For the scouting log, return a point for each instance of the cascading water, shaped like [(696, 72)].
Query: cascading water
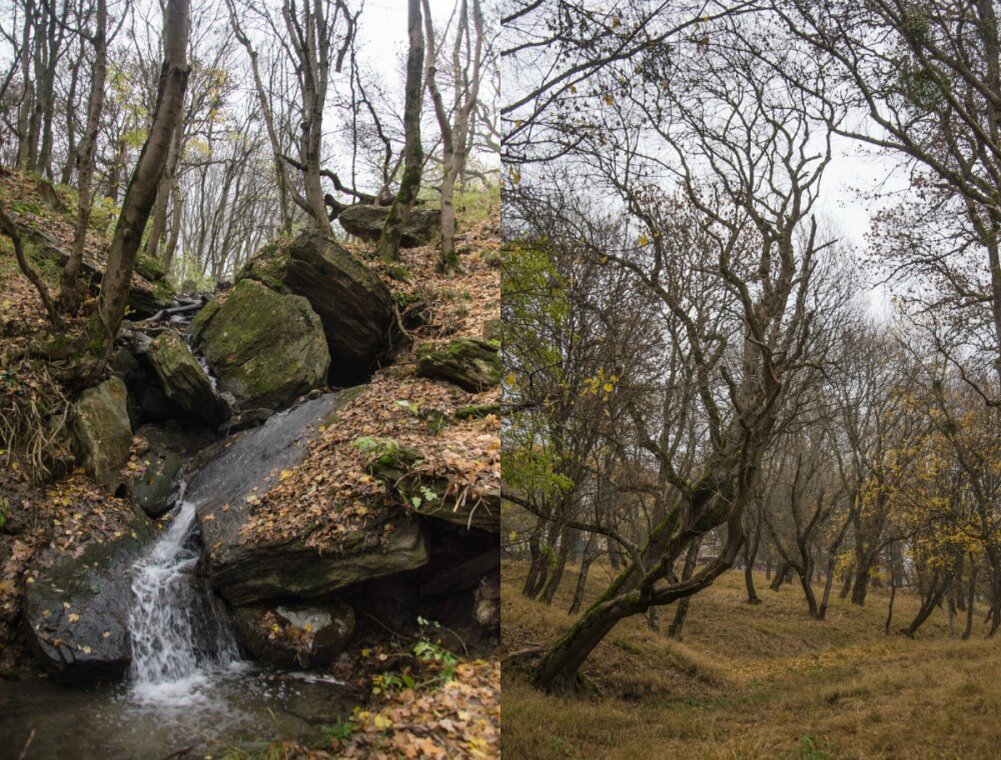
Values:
[(180, 636)]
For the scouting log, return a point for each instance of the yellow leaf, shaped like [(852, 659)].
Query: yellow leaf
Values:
[(382, 722), (73, 617), (642, 240), (284, 474)]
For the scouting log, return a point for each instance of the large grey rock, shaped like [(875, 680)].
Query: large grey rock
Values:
[(354, 306), (473, 364), (102, 432), (248, 569), (183, 379), (264, 347), (295, 636), (76, 602), (366, 222)]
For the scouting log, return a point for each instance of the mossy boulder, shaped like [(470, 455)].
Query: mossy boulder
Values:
[(471, 363), (146, 298), (366, 222), (150, 268), (76, 603), (102, 432), (264, 347), (354, 306), (184, 381)]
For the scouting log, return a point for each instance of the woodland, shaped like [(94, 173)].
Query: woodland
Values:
[(249, 379), (752, 313)]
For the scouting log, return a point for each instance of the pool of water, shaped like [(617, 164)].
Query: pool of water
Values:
[(210, 712)]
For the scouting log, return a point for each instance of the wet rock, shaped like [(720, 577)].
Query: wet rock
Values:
[(102, 432), (250, 418), (184, 381), (264, 347), (295, 637), (247, 569), (471, 363), (152, 488), (76, 603), (162, 451), (366, 222), (354, 306)]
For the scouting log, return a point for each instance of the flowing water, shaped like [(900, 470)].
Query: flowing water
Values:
[(180, 636), (188, 687)]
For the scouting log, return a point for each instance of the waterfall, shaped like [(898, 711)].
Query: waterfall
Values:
[(180, 634)]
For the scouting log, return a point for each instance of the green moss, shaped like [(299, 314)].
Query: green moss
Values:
[(149, 267), (267, 266)]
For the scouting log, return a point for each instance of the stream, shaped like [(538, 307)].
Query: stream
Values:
[(188, 686)]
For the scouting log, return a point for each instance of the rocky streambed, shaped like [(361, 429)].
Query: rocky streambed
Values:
[(176, 625)]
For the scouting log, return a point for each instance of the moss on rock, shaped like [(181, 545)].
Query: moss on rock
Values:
[(264, 347)]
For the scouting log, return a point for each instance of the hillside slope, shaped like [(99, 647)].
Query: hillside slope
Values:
[(761, 681)]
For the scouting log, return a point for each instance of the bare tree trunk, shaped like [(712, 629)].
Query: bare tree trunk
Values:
[(750, 554), (567, 537), (175, 227), (971, 590), (141, 192), (590, 554), (159, 221), (681, 612), (410, 183), (889, 608), (27, 105), (455, 134), (69, 293)]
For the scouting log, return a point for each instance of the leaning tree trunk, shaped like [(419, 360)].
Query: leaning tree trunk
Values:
[(141, 192), (413, 164), (69, 293)]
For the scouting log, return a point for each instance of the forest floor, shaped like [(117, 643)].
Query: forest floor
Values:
[(455, 710), (763, 681)]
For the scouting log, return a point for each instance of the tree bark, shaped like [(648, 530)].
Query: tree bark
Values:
[(413, 165), (141, 192), (69, 294)]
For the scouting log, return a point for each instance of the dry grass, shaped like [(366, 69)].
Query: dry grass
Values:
[(758, 682)]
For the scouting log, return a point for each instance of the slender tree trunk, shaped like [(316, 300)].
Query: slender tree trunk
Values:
[(410, 183), (780, 576), (590, 554), (971, 590), (681, 612), (889, 607), (69, 293), (141, 192), (159, 216), (750, 554), (175, 227), (567, 538)]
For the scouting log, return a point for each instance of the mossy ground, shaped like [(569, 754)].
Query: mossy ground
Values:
[(762, 681)]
